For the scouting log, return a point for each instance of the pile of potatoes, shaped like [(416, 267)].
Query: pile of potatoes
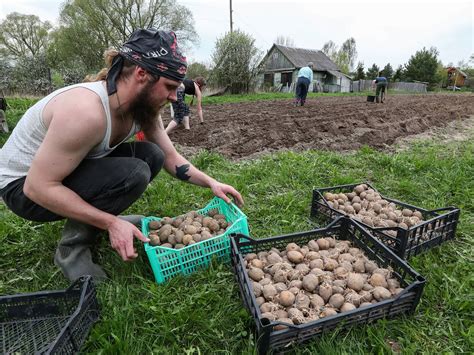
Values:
[(187, 229), (367, 206), (322, 278)]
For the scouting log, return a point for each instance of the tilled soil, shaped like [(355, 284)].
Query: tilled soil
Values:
[(330, 123)]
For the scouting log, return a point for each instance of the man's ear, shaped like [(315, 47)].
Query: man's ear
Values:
[(141, 74)]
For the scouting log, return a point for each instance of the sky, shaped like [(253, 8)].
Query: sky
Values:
[(385, 31)]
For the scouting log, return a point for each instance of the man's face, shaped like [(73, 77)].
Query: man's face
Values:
[(165, 90), (152, 97)]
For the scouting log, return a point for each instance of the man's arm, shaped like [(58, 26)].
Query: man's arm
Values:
[(176, 165), (74, 129)]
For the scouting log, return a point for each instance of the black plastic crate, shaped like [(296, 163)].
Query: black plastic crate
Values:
[(344, 229), (48, 322), (438, 225)]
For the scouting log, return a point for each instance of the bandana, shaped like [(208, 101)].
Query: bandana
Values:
[(155, 51)]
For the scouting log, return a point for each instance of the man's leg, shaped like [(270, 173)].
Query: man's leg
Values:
[(298, 92), (377, 93), (304, 92), (110, 184), (171, 126)]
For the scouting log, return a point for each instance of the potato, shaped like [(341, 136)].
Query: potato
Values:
[(378, 280), (154, 225), (164, 232), (286, 298), (325, 291), (407, 212), (257, 263), (257, 289), (269, 292), (381, 293), (355, 281), (197, 237), (187, 238), (310, 282), (336, 300), (329, 196), (154, 239), (347, 307), (295, 256), (256, 274), (292, 246), (360, 188), (328, 312), (323, 244), (166, 245)]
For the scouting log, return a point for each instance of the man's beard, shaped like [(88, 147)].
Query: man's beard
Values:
[(142, 109)]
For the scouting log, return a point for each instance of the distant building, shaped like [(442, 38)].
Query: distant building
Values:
[(281, 64), (456, 77)]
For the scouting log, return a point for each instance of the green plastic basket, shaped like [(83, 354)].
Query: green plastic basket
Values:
[(167, 262)]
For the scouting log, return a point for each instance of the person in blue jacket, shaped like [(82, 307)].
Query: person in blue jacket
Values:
[(305, 77)]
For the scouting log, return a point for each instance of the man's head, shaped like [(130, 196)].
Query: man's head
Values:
[(310, 64), (201, 82), (155, 51)]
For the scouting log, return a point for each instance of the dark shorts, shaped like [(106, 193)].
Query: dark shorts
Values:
[(111, 183), (180, 108)]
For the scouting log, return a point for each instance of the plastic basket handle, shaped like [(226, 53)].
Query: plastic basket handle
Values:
[(449, 209)]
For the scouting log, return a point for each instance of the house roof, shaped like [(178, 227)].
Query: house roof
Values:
[(450, 69), (301, 56)]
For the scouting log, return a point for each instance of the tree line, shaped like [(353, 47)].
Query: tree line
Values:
[(37, 57)]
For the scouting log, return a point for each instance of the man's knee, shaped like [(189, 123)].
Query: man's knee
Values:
[(156, 160)]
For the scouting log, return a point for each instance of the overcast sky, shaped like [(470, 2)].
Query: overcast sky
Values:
[(385, 31)]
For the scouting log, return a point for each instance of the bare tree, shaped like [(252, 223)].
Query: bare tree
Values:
[(285, 41)]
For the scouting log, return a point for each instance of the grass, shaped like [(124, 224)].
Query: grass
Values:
[(203, 313)]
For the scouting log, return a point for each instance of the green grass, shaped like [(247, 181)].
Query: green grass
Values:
[(204, 314)]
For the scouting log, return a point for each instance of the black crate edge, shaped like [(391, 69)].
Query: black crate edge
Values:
[(439, 227), (66, 315), (404, 303)]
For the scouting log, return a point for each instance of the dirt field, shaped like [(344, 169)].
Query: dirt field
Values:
[(332, 123)]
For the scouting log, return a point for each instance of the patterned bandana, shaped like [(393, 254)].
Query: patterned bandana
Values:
[(155, 51)]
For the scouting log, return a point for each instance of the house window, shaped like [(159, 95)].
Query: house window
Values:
[(268, 79), (286, 78)]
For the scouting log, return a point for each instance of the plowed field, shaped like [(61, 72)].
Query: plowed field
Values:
[(331, 123)]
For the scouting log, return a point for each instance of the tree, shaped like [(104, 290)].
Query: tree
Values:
[(330, 49), (360, 71), (285, 41), (373, 72), (344, 57), (235, 61), (350, 52), (399, 74), (23, 35), (89, 27), (387, 71), (423, 65), (197, 69)]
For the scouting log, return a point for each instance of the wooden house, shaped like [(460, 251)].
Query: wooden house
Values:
[(281, 64), (456, 77)]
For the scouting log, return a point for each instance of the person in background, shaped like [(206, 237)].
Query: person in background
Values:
[(305, 78), (69, 155), (381, 84), (180, 110)]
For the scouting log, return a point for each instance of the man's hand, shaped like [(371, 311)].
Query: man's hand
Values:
[(221, 190), (121, 235)]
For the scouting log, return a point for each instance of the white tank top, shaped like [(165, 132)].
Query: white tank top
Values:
[(19, 150)]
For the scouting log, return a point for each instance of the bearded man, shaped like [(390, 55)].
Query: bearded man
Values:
[(68, 157)]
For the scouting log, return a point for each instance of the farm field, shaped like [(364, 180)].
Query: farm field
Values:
[(203, 313), (245, 129)]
